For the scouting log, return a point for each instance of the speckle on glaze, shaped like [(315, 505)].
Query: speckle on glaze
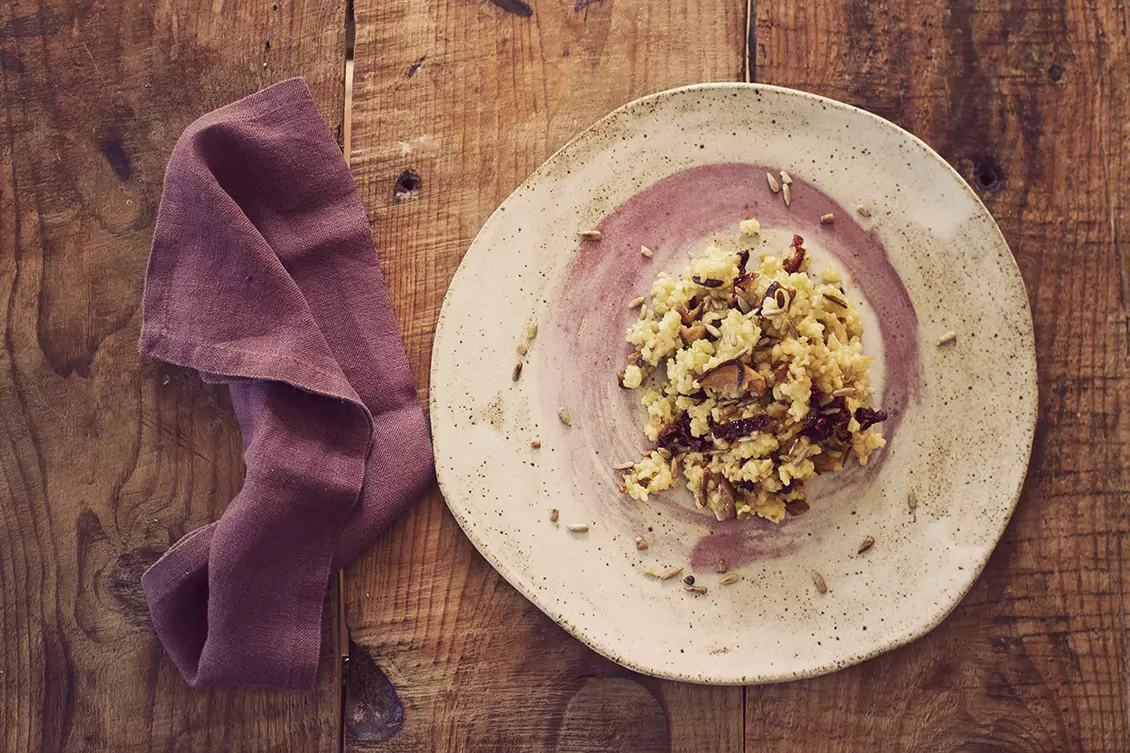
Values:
[(668, 172)]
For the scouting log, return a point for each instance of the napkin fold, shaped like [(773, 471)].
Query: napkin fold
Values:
[(263, 276)]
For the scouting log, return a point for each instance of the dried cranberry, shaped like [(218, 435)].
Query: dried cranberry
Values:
[(794, 262), (741, 427), (867, 417), (743, 258)]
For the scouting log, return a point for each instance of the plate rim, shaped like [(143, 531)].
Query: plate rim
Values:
[(1030, 417)]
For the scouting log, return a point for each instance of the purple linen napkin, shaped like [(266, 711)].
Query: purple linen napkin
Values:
[(263, 276)]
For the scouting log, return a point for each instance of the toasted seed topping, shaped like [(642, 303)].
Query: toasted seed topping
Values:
[(868, 542), (554, 514), (636, 302), (787, 193), (947, 338), (774, 186), (827, 219), (641, 543), (535, 445), (517, 371), (577, 528), (786, 179), (864, 210), (843, 392), (645, 251), (727, 580), (592, 235), (818, 579), (720, 566), (564, 416), (623, 466), (835, 299), (695, 589)]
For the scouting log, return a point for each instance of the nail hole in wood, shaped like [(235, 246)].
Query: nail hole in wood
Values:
[(407, 187), (987, 173)]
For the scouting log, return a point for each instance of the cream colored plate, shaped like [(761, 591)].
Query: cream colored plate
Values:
[(671, 171)]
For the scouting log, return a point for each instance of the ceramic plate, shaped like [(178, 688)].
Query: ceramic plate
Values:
[(672, 171)]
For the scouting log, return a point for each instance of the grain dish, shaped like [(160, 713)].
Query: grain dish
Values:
[(753, 378)]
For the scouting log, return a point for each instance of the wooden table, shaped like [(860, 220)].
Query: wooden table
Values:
[(106, 459)]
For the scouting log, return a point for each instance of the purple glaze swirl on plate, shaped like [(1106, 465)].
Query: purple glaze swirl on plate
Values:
[(584, 335)]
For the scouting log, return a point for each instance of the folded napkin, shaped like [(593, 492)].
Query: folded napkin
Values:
[(263, 276)]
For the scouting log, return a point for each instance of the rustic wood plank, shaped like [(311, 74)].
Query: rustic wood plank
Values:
[(460, 102), (1028, 102), (106, 460)]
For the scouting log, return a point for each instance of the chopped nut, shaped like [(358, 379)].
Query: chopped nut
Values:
[(517, 371), (689, 580), (720, 566), (797, 506), (623, 466), (947, 338), (577, 528), (531, 331), (535, 445), (636, 302), (695, 589), (774, 186), (787, 193), (821, 585), (727, 580), (868, 542), (827, 219), (864, 210), (592, 235), (641, 543), (645, 251), (564, 416), (786, 179), (554, 514)]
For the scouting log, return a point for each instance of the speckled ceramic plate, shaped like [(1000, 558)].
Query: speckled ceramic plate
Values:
[(672, 171)]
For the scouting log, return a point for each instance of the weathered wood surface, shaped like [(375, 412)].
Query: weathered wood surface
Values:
[(1029, 102), (105, 459), (471, 97)]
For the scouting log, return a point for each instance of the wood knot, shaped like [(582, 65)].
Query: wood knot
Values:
[(373, 712), (614, 708)]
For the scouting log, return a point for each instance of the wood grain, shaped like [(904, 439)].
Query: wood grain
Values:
[(106, 460), (1029, 102), (456, 104)]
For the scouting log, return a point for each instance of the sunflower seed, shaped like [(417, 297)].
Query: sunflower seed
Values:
[(641, 543), (695, 589), (623, 466), (731, 578), (554, 514), (868, 542), (517, 371), (635, 302), (787, 193), (786, 179), (836, 300), (864, 210), (669, 574), (577, 528), (844, 392), (912, 500), (774, 186), (592, 235), (564, 416), (645, 251), (818, 579), (947, 338), (827, 219), (713, 330), (531, 331)]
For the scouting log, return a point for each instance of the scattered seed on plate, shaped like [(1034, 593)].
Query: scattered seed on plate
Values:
[(912, 500), (517, 371), (787, 193), (623, 466), (535, 445), (669, 574), (577, 528), (727, 580), (695, 589), (584, 321), (827, 219), (786, 179), (818, 579), (947, 338), (864, 210), (868, 542), (592, 235), (523, 349), (721, 566), (531, 331), (554, 514), (564, 416), (636, 302), (774, 186), (645, 251), (689, 580), (641, 543)]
